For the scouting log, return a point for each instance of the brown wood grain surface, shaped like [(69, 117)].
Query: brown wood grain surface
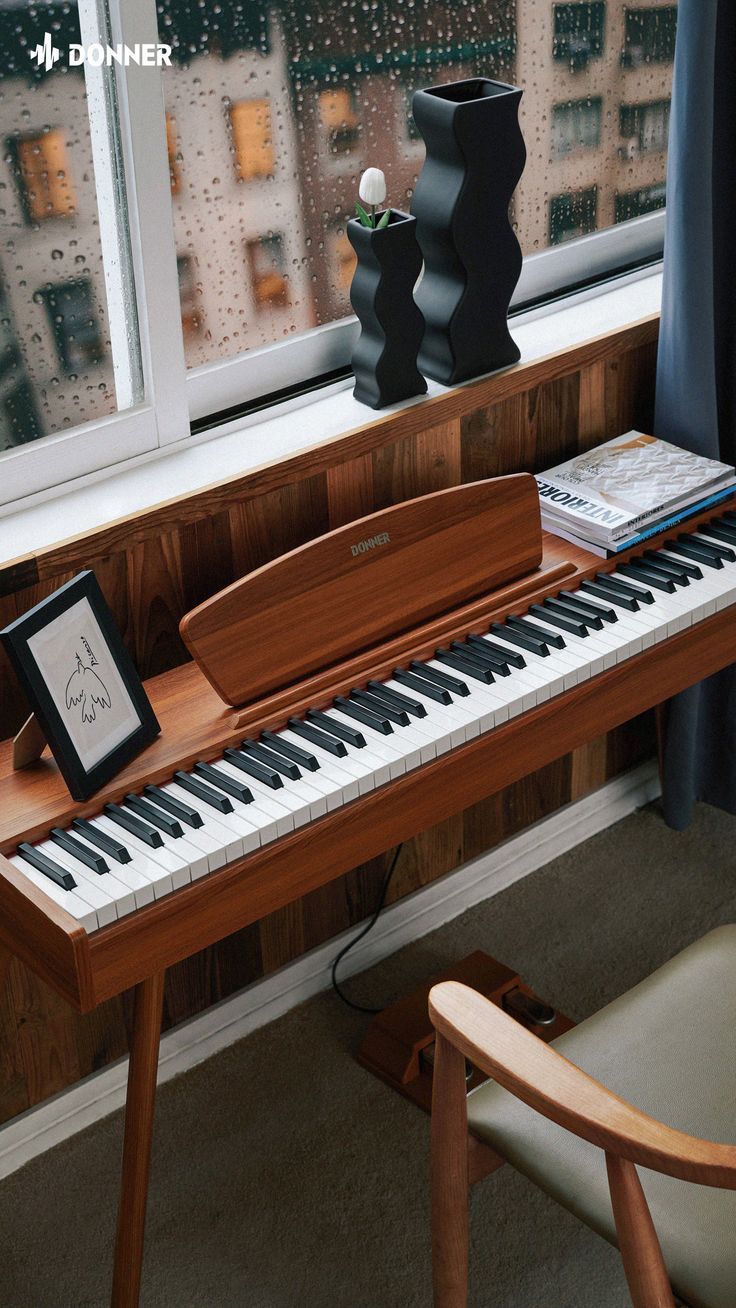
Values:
[(194, 546)]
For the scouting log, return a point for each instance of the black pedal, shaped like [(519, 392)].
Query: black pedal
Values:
[(528, 1008)]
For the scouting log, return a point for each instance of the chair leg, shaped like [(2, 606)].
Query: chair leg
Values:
[(644, 1265), (449, 1177)]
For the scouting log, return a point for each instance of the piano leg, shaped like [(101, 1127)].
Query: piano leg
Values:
[(139, 1108)]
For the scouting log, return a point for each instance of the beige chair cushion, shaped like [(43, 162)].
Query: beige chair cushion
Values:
[(669, 1047)]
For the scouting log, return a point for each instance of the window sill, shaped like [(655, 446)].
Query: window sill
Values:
[(250, 444)]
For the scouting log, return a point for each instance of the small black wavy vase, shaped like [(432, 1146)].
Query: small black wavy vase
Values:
[(472, 259), (385, 356)]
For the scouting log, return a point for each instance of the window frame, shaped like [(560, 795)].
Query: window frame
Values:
[(176, 398)]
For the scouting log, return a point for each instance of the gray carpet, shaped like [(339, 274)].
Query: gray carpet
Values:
[(284, 1174)]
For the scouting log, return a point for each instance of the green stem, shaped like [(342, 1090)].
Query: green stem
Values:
[(373, 215)]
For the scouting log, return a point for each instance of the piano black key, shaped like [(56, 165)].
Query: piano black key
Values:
[(570, 609), (360, 714), (693, 550), (114, 848), (339, 729), (559, 618), (474, 655), (50, 869), (443, 679), (382, 709), (422, 686), (723, 551), (271, 760), (396, 698), (316, 737), (175, 806), (728, 516), (589, 606), (163, 821), (665, 569), (135, 825), (721, 530), (246, 763), (505, 655), (207, 794), (647, 576), (639, 593), (289, 750), (85, 855), (469, 667), (547, 637), (534, 645), (673, 568), (610, 594)]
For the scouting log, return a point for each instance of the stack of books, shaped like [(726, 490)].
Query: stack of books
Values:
[(632, 487)]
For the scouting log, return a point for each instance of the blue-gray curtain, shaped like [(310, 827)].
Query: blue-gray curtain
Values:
[(696, 364)]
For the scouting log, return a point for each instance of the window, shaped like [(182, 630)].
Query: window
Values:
[(74, 323), (576, 126), (173, 241), (268, 272), (339, 120), (632, 204), (645, 126), (250, 121), (579, 33), (573, 214), (649, 36), (42, 173)]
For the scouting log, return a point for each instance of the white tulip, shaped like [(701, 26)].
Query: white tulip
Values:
[(372, 189)]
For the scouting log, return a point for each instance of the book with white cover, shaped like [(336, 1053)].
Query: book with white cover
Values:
[(616, 489), (668, 520)]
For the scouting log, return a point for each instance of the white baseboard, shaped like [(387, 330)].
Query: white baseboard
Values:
[(184, 1046)]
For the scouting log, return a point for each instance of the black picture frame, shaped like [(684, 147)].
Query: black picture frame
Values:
[(87, 699)]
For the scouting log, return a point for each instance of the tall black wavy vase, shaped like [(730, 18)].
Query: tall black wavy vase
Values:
[(472, 259), (385, 356)]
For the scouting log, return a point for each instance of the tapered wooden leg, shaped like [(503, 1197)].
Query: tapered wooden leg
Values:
[(449, 1177), (148, 1007), (646, 1274)]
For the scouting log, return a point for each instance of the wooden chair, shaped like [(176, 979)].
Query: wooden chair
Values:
[(666, 1050)]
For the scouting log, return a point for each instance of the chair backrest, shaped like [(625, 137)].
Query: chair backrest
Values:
[(470, 1025)]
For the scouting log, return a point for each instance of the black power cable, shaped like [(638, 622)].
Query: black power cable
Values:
[(361, 1008)]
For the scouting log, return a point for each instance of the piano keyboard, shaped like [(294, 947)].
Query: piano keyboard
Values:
[(150, 844)]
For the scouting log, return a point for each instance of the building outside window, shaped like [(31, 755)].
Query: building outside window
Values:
[(250, 122), (579, 32), (42, 174), (74, 323), (339, 117), (572, 214), (647, 199), (191, 313), (645, 127), (267, 261), (173, 157), (649, 36), (576, 126)]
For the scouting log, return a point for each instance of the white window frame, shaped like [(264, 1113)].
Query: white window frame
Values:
[(174, 396)]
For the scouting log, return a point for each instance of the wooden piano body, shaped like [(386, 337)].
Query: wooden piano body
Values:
[(342, 609)]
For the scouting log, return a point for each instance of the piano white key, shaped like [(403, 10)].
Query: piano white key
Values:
[(217, 849), (387, 764), (276, 804), (226, 827), (348, 768), (491, 708), (141, 888), (160, 877), (450, 716), (108, 896), (78, 908)]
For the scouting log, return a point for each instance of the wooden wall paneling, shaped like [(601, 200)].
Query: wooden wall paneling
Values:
[(428, 856), (350, 492), (206, 556), (13, 1083), (238, 960), (282, 936), (156, 598), (495, 441), (592, 418), (46, 1035), (589, 767), (265, 526), (417, 465)]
